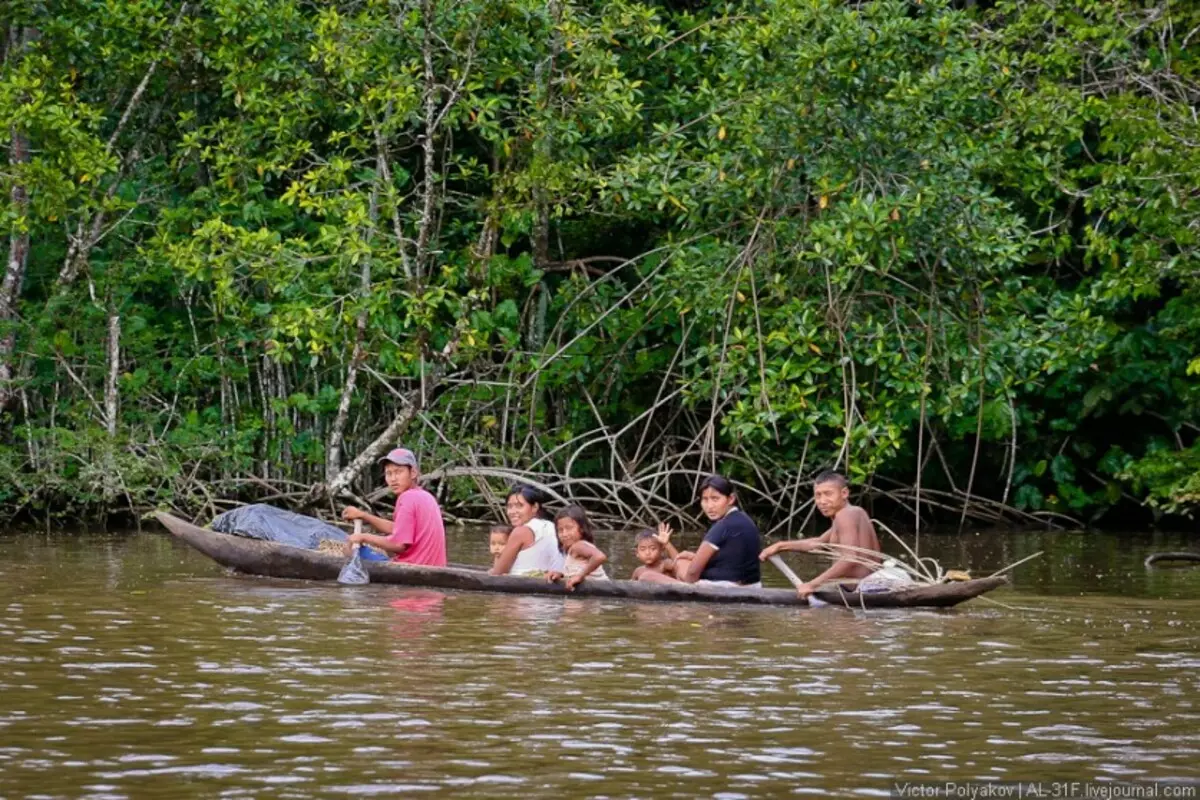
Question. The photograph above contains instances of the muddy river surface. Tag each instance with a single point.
(133, 667)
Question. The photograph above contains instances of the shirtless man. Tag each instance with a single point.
(851, 527)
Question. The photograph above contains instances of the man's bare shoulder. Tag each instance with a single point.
(852, 513)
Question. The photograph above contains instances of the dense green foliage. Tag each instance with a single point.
(622, 241)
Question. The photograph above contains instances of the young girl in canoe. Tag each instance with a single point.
(583, 559)
(658, 555)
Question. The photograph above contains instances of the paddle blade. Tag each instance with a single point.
(354, 573)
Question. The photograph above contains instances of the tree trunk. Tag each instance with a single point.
(17, 40)
(384, 441)
(282, 391)
(226, 389)
(14, 271)
(111, 398)
(333, 453)
(385, 174)
(428, 143)
(544, 75)
(268, 412)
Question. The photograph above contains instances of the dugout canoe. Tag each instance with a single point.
(271, 559)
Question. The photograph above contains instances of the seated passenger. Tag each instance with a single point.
(415, 534)
(497, 538)
(532, 547)
(582, 559)
(657, 554)
(728, 556)
(851, 529)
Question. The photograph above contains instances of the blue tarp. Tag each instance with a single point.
(276, 525)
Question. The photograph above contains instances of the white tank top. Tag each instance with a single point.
(543, 554)
(573, 566)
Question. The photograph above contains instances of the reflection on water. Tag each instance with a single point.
(130, 667)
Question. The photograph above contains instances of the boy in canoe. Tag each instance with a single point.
(415, 534)
(851, 528)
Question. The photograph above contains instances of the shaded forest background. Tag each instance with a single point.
(607, 246)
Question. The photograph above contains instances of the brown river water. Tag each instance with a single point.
(133, 667)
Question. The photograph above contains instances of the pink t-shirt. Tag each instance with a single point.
(418, 523)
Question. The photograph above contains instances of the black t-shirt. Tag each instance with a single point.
(738, 544)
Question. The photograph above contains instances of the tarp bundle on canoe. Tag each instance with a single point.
(271, 524)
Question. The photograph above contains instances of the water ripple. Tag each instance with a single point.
(218, 686)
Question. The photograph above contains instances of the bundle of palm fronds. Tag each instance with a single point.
(335, 548)
(921, 570)
(332, 547)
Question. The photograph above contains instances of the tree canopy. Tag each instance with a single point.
(949, 249)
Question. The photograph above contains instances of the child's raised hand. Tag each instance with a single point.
(664, 533)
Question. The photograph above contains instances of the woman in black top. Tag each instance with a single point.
(728, 556)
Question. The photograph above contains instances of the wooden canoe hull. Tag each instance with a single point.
(270, 559)
(938, 595)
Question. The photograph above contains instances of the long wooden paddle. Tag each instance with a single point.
(354, 573)
(786, 570)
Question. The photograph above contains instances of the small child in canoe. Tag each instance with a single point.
(497, 538)
(575, 540)
(657, 554)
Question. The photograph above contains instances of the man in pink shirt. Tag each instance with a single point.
(415, 534)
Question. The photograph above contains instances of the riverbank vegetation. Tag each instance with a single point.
(606, 246)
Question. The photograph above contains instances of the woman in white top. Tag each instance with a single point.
(532, 547)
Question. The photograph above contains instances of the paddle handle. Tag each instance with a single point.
(357, 529)
(786, 570)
